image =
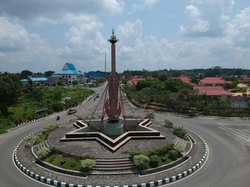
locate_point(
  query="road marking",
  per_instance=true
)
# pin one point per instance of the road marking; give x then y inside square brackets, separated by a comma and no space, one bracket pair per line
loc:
[241,133]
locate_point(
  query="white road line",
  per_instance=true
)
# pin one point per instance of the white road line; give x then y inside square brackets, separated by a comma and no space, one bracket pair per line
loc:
[238,134]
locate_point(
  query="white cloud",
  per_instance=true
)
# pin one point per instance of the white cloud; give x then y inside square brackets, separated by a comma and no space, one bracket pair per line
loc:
[144,4]
[58,11]
[19,49]
[204,18]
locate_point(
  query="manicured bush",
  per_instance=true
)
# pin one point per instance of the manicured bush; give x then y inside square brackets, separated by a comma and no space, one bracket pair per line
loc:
[49,127]
[154,159]
[30,117]
[173,154]
[168,123]
[168,147]
[20,120]
[17,121]
[87,156]
[52,158]
[179,131]
[32,139]
[53,149]
[42,152]
[149,153]
[179,149]
[133,153]
[87,164]
[141,161]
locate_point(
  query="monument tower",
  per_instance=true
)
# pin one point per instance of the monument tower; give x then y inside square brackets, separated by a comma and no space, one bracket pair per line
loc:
[113,105]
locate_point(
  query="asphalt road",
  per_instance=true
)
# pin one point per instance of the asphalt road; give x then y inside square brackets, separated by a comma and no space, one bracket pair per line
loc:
[228,164]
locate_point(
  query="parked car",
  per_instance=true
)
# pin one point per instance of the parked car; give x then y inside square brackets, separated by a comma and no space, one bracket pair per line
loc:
[97,95]
[190,113]
[71,111]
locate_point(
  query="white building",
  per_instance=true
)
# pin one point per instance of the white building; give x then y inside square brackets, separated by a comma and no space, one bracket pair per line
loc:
[69,73]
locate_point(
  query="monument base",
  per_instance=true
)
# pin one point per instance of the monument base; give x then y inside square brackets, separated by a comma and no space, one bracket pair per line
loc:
[113,129]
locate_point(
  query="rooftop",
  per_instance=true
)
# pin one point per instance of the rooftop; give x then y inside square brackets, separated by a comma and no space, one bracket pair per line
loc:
[213,80]
[212,90]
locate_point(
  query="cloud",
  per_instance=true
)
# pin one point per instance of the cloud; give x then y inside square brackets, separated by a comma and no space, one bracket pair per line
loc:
[58,11]
[144,4]
[239,29]
[204,18]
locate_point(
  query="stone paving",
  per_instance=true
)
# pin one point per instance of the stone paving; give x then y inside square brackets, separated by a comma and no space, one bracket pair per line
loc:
[94,148]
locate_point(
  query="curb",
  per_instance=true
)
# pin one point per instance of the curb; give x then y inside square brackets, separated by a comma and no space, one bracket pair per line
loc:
[160,182]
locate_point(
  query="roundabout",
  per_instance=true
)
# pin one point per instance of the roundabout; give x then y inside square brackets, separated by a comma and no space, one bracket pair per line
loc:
[195,157]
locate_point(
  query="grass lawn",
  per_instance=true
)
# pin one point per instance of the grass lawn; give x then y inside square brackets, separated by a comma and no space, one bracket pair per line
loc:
[70,163]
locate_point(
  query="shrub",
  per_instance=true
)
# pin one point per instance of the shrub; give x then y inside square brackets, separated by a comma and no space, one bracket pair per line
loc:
[20,120]
[52,158]
[87,164]
[168,147]
[149,153]
[157,151]
[17,121]
[173,154]
[42,152]
[179,149]
[154,159]
[87,156]
[53,149]
[132,153]
[30,117]
[49,127]
[168,123]
[141,161]
[151,116]
[179,131]
[32,139]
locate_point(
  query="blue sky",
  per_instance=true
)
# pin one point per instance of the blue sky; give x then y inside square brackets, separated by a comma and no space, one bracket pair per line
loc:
[180,34]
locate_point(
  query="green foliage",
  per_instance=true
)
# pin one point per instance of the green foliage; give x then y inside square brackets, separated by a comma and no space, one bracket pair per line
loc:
[173,154]
[42,152]
[176,84]
[87,164]
[10,90]
[168,123]
[87,156]
[133,153]
[151,116]
[17,121]
[72,163]
[32,139]
[57,96]
[168,147]
[52,157]
[179,149]
[49,127]
[25,73]
[75,82]
[140,161]
[154,159]
[48,73]
[179,131]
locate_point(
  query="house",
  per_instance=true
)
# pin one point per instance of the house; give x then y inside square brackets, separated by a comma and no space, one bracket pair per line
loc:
[212,90]
[52,81]
[69,73]
[213,81]
[35,78]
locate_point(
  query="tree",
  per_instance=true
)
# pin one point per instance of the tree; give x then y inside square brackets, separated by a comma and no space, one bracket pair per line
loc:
[214,71]
[60,83]
[75,82]
[175,84]
[10,90]
[48,73]
[154,159]
[25,73]
[162,77]
[179,149]
[57,96]
[30,86]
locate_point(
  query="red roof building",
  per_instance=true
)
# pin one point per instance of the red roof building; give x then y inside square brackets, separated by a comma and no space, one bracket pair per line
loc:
[212,81]
[246,80]
[213,90]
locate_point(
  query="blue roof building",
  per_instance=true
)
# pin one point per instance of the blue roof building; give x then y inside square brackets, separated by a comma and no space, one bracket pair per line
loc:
[70,73]
[93,75]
